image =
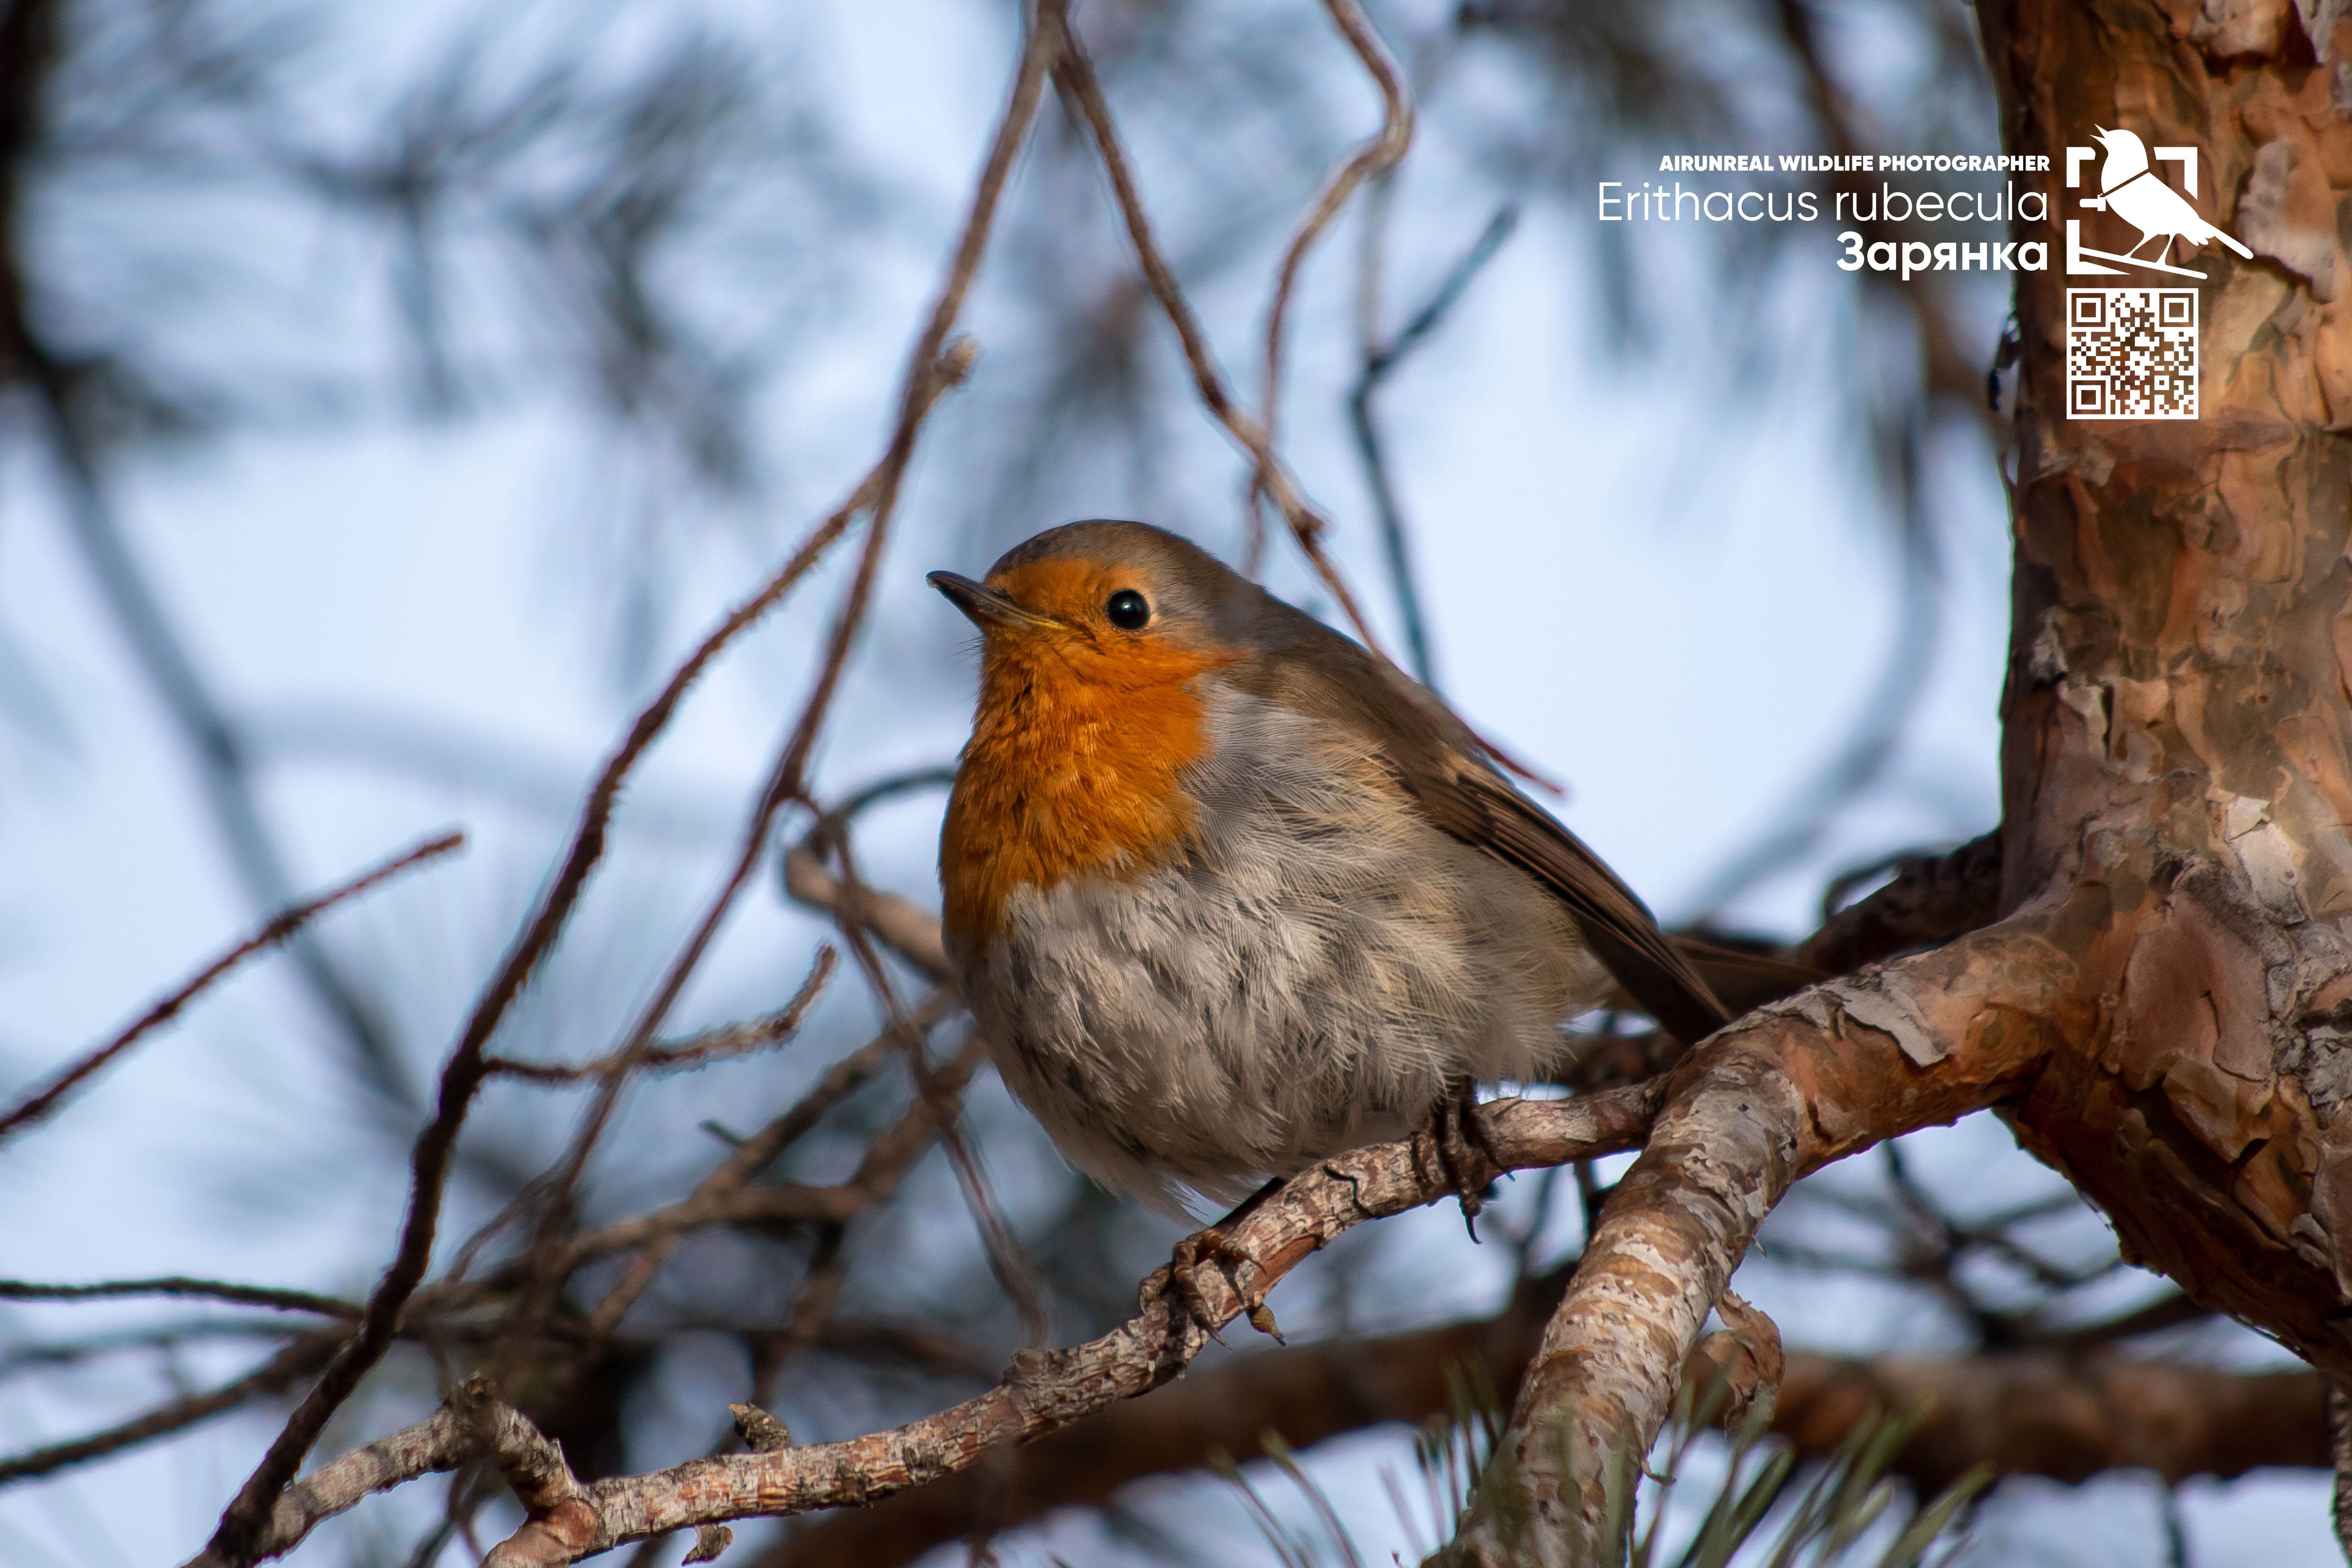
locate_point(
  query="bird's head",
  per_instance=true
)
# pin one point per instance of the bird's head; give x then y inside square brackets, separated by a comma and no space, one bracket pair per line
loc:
[2124,146]
[1108,604]
[1089,711]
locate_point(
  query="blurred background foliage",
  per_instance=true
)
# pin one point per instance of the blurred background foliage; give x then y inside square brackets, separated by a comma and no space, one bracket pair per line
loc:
[623,284]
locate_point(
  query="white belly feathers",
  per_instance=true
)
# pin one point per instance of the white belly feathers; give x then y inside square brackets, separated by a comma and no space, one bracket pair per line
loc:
[1308,980]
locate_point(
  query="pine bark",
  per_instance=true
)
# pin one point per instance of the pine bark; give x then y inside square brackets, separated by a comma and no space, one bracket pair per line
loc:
[2162,1007]
[2177,754]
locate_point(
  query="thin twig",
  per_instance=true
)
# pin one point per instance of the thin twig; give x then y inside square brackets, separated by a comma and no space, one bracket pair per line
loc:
[1377,155]
[697,1050]
[1378,360]
[278,929]
[906,928]
[289,1365]
[728,1195]
[1043,1392]
[183,1285]
[1075,73]
[930,371]
[467,1066]
[1008,1259]
[216,745]
[931,360]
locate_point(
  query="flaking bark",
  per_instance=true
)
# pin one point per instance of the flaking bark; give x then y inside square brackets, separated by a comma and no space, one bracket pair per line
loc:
[2164,1012]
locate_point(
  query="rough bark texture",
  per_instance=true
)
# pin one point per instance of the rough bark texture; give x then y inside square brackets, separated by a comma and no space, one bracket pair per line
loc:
[2046,1414]
[2165,1011]
[1041,1393]
[2175,720]
[1833,1069]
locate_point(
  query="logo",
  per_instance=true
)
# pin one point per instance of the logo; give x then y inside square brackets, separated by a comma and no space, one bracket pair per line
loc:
[2131,353]
[2130,188]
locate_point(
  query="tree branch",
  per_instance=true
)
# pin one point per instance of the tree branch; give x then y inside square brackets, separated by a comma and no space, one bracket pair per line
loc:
[278,929]
[1045,1390]
[2064,1417]
[1791,1088]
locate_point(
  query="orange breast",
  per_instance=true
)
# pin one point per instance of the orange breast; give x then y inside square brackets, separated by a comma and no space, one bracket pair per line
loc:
[1068,774]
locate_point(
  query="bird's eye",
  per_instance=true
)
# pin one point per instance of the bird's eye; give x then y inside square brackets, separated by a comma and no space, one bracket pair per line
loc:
[1129,610]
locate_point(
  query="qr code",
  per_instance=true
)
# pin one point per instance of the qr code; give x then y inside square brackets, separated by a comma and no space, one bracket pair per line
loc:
[2131,353]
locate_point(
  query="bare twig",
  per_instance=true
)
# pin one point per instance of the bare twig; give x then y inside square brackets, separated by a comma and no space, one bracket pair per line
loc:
[1075,73]
[1007,1259]
[1378,360]
[930,371]
[728,1196]
[181,1285]
[930,362]
[1377,155]
[217,746]
[278,928]
[1043,1392]
[289,1365]
[697,1050]
[905,927]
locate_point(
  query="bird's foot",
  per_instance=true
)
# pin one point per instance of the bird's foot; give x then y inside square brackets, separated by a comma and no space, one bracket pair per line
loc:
[1215,1245]
[1460,1149]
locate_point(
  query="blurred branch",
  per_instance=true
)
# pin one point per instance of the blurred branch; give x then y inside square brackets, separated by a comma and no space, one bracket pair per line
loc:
[728,1195]
[297,1361]
[1945,377]
[1378,360]
[933,364]
[930,370]
[280,928]
[1044,1390]
[468,1065]
[697,1050]
[1008,1259]
[725,1198]
[1076,74]
[1869,745]
[905,927]
[1383,152]
[218,748]
[180,1285]
[2067,1418]
[1932,898]
[1946,373]
[455,758]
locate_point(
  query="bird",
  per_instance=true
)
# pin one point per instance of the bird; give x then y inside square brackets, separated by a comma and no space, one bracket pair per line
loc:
[2148,205]
[1226,893]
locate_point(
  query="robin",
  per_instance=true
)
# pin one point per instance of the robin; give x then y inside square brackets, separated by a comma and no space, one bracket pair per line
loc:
[1227,893]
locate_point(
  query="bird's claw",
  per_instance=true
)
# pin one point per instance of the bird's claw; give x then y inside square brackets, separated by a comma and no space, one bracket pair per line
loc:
[1464,1152]
[1181,1272]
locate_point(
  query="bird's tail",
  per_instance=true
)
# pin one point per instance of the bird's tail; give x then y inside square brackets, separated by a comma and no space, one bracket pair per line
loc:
[2228,241]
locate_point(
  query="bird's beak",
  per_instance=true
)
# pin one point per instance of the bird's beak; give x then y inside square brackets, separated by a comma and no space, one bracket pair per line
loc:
[985,605]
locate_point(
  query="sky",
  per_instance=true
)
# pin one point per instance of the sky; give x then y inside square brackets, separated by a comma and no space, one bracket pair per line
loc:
[1661,591]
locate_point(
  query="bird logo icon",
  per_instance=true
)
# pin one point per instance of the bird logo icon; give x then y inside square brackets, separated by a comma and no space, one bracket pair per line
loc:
[2129,187]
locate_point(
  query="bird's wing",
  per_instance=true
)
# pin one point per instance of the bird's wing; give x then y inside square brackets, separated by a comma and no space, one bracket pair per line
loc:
[2166,210]
[1441,765]
[1471,802]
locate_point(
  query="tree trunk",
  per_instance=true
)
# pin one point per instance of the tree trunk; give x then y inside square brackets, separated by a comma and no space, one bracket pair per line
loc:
[2175,727]
[2163,1010]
